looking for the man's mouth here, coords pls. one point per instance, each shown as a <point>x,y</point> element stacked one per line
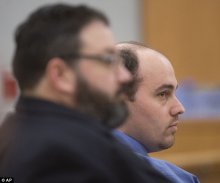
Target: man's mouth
<point>173,126</point>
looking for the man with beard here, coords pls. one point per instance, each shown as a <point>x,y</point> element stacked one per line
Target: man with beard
<point>153,106</point>
<point>69,75</point>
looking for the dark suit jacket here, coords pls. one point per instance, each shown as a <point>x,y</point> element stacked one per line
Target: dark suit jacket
<point>46,142</point>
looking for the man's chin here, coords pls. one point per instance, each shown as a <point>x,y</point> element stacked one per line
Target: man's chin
<point>167,145</point>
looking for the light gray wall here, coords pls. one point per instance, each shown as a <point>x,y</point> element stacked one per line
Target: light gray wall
<point>123,16</point>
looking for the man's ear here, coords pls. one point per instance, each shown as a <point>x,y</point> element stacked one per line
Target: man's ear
<point>61,76</point>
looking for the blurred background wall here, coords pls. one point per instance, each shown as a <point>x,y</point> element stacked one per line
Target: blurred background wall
<point>187,32</point>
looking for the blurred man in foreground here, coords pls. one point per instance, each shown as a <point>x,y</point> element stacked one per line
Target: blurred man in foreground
<point>153,107</point>
<point>69,75</point>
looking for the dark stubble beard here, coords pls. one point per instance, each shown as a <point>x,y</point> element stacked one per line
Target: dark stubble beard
<point>111,112</point>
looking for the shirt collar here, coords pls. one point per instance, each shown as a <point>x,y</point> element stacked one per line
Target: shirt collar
<point>129,141</point>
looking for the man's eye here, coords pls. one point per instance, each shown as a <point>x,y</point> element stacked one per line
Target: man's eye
<point>163,94</point>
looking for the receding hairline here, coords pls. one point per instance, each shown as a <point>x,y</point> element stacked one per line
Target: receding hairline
<point>132,45</point>
<point>136,47</point>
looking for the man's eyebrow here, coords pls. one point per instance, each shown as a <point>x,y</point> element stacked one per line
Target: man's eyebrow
<point>166,86</point>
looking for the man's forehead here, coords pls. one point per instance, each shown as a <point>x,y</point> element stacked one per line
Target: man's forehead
<point>156,70</point>
<point>153,62</point>
<point>97,37</point>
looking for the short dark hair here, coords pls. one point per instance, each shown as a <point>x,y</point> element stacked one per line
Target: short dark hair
<point>130,61</point>
<point>50,31</point>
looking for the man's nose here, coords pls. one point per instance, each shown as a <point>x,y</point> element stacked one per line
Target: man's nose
<point>178,108</point>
